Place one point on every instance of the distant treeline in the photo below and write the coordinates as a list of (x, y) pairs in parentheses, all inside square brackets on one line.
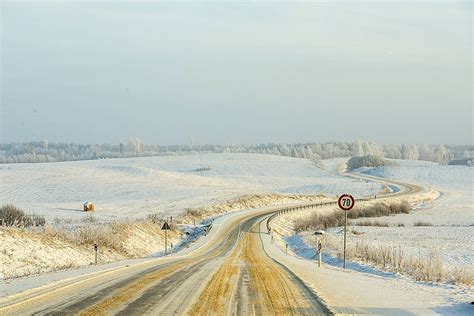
[(44, 151)]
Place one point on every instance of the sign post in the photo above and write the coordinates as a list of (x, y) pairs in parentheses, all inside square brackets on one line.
[(166, 227), (346, 202)]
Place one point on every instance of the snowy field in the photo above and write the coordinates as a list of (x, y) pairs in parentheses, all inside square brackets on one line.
[(134, 188), (456, 184), (450, 217)]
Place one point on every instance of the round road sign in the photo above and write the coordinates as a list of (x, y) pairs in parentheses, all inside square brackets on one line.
[(346, 202)]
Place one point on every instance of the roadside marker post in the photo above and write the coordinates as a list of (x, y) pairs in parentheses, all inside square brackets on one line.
[(346, 202), (319, 253), (166, 227), (320, 234), (286, 249), (95, 250)]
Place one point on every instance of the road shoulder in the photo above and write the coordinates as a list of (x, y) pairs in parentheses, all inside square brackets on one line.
[(365, 293)]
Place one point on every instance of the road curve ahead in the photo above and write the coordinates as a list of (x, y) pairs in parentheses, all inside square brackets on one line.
[(230, 274)]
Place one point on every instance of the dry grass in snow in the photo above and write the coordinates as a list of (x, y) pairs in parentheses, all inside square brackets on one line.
[(25, 251), (246, 202), (31, 251), (324, 220), (393, 258)]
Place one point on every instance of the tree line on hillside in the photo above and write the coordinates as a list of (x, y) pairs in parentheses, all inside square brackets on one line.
[(44, 151)]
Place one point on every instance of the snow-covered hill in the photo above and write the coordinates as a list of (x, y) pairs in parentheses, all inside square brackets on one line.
[(132, 188), (450, 217)]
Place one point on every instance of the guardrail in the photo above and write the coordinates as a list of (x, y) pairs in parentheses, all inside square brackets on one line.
[(289, 209)]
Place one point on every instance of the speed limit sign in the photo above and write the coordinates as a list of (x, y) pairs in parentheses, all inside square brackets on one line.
[(346, 202)]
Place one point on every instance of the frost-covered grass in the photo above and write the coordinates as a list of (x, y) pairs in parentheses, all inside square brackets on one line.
[(50, 248), (127, 191), (11, 215), (324, 220), (377, 257), (445, 225), (436, 239), (135, 187), (65, 245)]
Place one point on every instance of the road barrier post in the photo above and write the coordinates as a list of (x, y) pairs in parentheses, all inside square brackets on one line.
[(319, 252), (95, 250)]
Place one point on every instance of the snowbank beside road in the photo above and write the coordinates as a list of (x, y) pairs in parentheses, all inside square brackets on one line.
[(366, 291)]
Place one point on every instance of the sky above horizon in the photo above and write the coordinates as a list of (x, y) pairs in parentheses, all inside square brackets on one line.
[(209, 73)]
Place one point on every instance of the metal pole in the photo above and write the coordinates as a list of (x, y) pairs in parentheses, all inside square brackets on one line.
[(166, 242), (345, 238)]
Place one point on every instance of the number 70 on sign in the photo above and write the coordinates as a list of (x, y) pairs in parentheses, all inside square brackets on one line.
[(346, 202)]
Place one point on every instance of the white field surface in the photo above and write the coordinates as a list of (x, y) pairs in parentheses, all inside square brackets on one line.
[(124, 189), (361, 290), (451, 215), (170, 185), (451, 236)]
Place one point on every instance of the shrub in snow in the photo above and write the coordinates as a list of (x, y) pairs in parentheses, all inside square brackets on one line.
[(13, 216), (420, 223), (462, 162), (366, 161)]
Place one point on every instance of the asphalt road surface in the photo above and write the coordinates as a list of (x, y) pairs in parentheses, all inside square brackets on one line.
[(229, 274)]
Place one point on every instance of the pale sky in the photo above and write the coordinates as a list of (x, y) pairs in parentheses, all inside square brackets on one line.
[(168, 72)]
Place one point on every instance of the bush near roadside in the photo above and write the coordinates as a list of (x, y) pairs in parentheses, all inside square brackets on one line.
[(11, 215), (462, 162), (366, 161)]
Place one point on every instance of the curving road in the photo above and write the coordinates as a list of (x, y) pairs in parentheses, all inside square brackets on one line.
[(229, 274)]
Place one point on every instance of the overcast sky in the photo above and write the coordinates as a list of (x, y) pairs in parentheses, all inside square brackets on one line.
[(95, 72)]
